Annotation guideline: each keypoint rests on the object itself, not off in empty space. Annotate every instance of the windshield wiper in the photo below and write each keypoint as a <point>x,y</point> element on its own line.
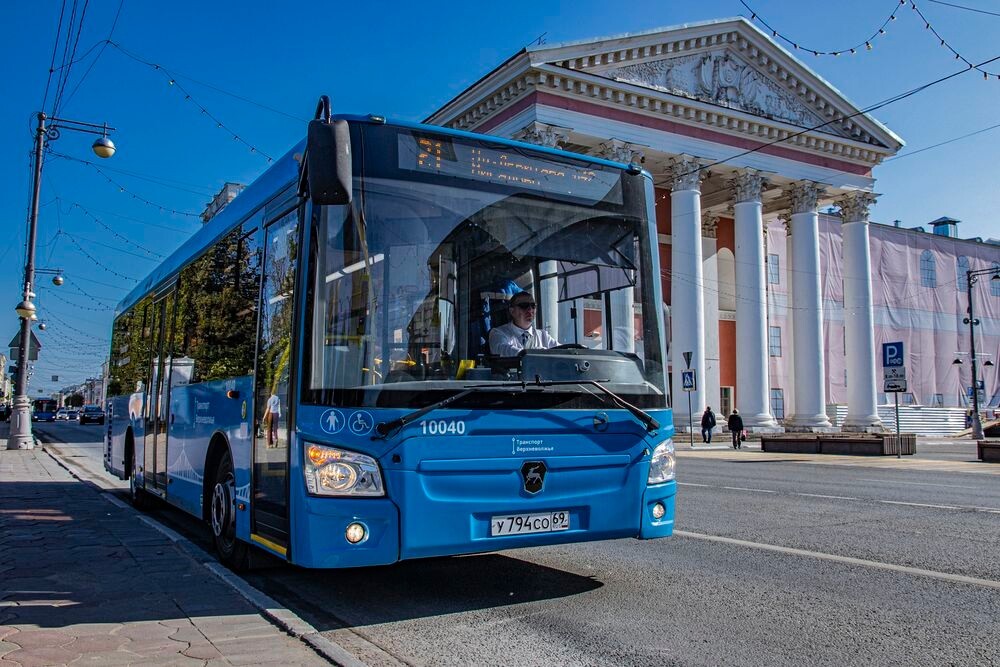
<point>383,429</point>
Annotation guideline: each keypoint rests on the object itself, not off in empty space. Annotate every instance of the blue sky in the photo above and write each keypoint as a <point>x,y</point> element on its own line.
<point>402,60</point>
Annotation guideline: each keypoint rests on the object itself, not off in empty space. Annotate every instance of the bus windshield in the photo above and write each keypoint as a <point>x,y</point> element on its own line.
<point>406,284</point>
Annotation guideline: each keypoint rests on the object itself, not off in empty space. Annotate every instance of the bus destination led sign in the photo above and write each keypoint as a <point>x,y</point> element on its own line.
<point>445,157</point>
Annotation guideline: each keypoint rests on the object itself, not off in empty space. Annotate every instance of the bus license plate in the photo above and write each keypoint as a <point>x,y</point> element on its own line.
<point>523,524</point>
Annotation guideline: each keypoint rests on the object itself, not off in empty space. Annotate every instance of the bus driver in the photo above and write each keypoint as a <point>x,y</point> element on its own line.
<point>520,333</point>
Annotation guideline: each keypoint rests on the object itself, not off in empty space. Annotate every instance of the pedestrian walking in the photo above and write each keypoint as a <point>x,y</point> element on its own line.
<point>735,425</point>
<point>707,424</point>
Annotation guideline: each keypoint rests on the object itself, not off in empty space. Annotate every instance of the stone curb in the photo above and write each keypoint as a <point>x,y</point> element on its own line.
<point>269,608</point>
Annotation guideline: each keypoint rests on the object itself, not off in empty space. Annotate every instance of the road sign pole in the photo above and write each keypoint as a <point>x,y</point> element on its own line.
<point>690,419</point>
<point>899,443</point>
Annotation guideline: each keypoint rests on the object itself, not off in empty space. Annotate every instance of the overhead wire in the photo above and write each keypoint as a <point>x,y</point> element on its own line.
<point>104,45</point>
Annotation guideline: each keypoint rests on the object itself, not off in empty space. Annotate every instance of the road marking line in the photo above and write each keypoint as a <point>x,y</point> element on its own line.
<point>820,495</point>
<point>959,508</point>
<point>846,560</point>
<point>892,481</point>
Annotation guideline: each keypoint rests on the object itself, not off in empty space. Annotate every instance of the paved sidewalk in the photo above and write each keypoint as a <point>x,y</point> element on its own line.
<point>86,582</point>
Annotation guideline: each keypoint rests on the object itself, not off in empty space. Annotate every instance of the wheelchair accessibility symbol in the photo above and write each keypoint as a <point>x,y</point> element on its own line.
<point>332,421</point>
<point>361,423</point>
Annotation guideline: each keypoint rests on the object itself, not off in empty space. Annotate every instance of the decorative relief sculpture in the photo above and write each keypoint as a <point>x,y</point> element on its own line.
<point>854,206</point>
<point>541,134</point>
<point>722,78</point>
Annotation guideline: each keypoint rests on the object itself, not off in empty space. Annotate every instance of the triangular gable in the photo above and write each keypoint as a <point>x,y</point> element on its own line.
<point>728,63</point>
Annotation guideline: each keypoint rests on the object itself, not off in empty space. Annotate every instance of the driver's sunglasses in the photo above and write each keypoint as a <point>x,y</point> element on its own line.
<point>525,306</point>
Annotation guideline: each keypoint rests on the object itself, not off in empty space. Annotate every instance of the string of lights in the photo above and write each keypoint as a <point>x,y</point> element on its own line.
<point>123,189</point>
<point>118,236</point>
<point>868,43</point>
<point>56,318</point>
<point>63,299</point>
<point>795,44</point>
<point>101,243</point>
<point>100,300</point>
<point>172,81</point>
<point>164,182</point>
<point>944,43</point>
<point>96,261</point>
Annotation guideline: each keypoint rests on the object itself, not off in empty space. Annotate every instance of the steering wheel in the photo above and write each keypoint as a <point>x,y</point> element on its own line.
<point>569,346</point>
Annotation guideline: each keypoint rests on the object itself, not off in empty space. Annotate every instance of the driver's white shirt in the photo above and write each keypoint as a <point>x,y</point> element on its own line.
<point>508,340</point>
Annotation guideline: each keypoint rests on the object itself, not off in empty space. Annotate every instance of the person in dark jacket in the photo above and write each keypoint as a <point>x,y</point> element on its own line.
<point>707,424</point>
<point>735,425</point>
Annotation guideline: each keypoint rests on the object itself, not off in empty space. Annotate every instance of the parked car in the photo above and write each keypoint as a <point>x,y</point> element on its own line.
<point>62,414</point>
<point>91,414</point>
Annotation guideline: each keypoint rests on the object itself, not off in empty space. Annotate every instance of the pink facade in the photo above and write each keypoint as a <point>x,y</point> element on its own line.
<point>927,319</point>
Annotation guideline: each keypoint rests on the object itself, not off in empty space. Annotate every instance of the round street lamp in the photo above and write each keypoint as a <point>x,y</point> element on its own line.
<point>103,147</point>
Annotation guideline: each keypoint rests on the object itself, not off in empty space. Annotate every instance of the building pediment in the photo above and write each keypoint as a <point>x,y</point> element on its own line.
<point>728,63</point>
<point>722,78</point>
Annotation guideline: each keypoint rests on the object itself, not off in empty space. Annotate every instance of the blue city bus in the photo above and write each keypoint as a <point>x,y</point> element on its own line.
<point>43,410</point>
<point>311,374</point>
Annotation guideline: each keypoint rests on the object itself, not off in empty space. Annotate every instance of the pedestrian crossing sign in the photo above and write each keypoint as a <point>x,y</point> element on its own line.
<point>688,382</point>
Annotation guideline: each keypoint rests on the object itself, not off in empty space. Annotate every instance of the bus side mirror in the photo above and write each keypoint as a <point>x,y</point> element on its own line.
<point>328,162</point>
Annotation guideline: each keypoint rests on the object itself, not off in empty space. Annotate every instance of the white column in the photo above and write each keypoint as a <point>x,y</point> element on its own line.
<point>752,386</point>
<point>687,303</point>
<point>859,320</point>
<point>788,334</point>
<point>807,312</point>
<point>710,275</point>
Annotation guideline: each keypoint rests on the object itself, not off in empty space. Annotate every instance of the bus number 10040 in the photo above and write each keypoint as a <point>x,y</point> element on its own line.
<point>442,427</point>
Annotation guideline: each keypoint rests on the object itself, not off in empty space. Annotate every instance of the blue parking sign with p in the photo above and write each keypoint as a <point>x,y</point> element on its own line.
<point>892,354</point>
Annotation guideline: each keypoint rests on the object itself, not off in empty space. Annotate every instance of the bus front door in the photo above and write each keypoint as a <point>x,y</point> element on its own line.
<point>158,397</point>
<point>271,400</point>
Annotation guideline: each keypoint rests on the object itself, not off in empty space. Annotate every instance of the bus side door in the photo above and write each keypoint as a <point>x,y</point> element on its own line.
<point>158,396</point>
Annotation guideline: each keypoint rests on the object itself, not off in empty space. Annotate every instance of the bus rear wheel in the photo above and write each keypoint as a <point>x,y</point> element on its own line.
<point>232,551</point>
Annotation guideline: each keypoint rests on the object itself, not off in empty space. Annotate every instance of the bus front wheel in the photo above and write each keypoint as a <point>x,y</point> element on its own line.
<point>232,551</point>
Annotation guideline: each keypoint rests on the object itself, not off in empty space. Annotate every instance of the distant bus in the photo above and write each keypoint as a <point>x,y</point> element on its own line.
<point>310,372</point>
<point>43,410</point>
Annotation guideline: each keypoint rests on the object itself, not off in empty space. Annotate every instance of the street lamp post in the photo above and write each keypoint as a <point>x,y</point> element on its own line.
<point>20,418</point>
<point>971,278</point>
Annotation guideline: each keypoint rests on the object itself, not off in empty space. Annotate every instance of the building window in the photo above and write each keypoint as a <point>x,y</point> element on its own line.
<point>907,399</point>
<point>928,272</point>
<point>995,284</point>
<point>778,403</point>
<point>961,266</point>
<point>773,275</point>
<point>937,400</point>
<point>774,341</point>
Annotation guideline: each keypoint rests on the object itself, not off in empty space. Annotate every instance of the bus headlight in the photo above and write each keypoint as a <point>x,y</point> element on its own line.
<point>661,466</point>
<point>330,471</point>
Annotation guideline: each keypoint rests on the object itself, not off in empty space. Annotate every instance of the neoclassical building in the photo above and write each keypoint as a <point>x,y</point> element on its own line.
<point>746,145</point>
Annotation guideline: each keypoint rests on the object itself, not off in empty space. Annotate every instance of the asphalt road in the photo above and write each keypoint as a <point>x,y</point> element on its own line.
<point>778,560</point>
